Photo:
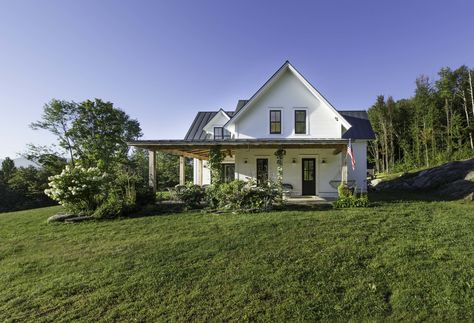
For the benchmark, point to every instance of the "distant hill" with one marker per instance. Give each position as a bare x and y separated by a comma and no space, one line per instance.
23,162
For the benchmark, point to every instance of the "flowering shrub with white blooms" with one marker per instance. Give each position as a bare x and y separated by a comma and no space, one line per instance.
80,190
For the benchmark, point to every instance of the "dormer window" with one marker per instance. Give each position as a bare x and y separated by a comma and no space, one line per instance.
300,121
275,121
218,133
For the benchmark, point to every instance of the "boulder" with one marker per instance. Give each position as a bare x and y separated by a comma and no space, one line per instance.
453,180
78,219
59,217
470,176
375,182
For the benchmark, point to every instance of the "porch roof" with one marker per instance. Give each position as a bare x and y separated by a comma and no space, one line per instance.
200,149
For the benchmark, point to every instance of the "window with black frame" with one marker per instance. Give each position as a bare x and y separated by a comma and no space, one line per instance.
300,121
228,171
275,121
218,133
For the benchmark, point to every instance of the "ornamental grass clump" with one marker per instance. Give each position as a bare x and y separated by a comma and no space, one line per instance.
80,190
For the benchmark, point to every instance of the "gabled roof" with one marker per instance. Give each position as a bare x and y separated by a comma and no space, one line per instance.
196,131
361,127
241,107
213,119
359,120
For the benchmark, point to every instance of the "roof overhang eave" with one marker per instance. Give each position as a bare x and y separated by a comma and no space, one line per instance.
200,149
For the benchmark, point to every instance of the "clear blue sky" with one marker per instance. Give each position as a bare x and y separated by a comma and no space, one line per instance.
161,62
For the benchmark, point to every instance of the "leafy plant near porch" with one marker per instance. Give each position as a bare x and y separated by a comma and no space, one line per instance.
243,196
191,195
349,199
215,159
279,154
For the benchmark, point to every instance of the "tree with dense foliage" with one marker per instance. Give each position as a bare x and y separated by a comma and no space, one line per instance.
94,132
8,169
432,127
57,118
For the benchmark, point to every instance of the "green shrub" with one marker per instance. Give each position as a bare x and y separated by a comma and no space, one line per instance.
81,191
145,196
191,195
242,195
112,206
348,199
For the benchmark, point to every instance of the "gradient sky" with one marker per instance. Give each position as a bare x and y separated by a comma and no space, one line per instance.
161,62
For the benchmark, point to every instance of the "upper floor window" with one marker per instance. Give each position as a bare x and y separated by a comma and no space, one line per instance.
218,133
275,121
300,121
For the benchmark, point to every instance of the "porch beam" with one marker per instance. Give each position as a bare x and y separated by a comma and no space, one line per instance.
184,153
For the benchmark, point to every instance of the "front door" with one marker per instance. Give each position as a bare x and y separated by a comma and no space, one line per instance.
309,176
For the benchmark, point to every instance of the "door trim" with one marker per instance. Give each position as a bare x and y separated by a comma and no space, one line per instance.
316,158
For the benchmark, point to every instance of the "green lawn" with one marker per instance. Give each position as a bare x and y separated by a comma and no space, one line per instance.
397,261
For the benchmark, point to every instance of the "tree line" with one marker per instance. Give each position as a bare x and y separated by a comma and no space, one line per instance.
433,126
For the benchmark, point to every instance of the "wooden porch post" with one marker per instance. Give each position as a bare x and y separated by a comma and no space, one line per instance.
152,169
199,172
181,170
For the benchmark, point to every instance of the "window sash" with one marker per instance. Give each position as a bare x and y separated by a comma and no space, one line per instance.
218,133
275,121
300,121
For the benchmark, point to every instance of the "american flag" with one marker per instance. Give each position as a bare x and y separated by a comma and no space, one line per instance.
350,152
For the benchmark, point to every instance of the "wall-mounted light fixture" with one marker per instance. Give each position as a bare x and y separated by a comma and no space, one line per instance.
293,160
245,160
323,161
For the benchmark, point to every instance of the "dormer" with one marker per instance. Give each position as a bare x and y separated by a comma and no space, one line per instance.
215,127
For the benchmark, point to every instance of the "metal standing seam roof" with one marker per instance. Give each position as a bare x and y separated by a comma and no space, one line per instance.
359,120
196,131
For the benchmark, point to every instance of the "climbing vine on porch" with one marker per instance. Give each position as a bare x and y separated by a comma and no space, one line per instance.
279,154
215,159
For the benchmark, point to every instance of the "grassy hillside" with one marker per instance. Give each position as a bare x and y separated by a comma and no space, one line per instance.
402,261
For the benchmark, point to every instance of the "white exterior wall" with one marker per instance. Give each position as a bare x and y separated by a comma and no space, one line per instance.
328,167
292,172
287,94
360,172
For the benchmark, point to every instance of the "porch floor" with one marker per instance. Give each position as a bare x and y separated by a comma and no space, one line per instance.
308,200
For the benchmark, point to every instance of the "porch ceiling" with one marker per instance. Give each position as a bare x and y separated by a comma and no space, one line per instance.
200,149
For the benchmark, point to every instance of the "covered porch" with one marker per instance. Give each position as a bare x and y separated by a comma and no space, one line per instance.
255,159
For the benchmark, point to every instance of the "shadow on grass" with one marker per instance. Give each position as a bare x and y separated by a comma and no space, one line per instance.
303,207
397,196
163,209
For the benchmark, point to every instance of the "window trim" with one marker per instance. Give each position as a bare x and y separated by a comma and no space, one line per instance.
271,122
300,122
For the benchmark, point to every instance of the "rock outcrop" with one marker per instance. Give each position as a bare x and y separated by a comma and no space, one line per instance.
453,180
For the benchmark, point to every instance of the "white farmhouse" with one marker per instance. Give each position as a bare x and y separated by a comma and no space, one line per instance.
287,113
